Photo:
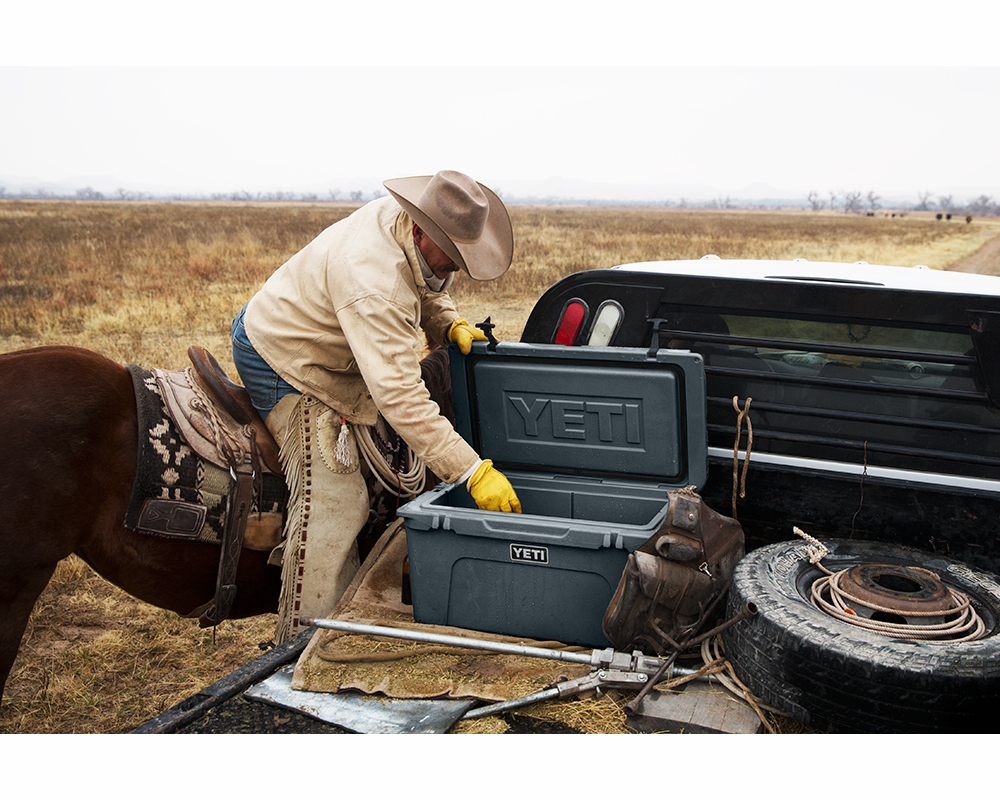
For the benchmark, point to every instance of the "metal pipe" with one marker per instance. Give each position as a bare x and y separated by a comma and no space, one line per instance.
596,658
507,705
749,610
455,641
636,661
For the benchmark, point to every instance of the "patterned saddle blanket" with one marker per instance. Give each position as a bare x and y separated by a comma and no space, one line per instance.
180,493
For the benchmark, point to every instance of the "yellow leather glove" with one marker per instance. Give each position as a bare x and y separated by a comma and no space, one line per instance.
463,334
491,490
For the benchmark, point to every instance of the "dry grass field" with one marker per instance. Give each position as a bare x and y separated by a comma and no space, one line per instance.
140,282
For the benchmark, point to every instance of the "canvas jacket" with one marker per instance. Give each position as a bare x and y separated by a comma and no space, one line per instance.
341,321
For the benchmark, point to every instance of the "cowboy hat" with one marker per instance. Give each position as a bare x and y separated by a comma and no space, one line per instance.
462,217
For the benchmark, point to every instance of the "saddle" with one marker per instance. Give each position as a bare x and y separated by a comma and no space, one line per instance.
218,421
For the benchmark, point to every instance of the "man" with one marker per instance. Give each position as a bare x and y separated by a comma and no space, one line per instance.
332,339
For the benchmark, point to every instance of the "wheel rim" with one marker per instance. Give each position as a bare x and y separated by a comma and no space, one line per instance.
911,593
899,601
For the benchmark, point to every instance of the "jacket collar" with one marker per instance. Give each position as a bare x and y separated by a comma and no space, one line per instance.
403,233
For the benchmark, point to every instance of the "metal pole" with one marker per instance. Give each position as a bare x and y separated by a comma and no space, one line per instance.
507,705
637,663
455,641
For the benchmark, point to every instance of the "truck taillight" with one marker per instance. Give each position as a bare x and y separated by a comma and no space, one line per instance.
574,314
609,317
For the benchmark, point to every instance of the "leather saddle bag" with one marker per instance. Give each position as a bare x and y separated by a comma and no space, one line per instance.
672,579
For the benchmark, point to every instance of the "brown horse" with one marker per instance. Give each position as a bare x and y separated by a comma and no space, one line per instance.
68,445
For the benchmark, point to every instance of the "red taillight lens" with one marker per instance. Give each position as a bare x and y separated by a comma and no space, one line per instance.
570,322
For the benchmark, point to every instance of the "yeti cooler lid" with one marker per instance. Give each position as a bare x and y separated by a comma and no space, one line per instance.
600,411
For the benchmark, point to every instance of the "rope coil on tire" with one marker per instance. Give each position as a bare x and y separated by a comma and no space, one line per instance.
830,597
959,621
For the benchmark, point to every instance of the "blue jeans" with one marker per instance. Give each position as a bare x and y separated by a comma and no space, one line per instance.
265,386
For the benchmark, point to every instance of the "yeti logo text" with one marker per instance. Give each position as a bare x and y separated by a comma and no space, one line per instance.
531,555
572,419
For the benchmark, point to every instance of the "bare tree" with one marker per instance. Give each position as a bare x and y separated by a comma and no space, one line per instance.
852,202
873,201
814,202
925,201
377,193
334,194
833,200
356,196
982,205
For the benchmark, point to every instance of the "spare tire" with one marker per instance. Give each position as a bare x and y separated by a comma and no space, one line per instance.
833,676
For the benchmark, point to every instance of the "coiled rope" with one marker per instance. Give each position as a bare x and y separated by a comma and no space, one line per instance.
830,597
407,482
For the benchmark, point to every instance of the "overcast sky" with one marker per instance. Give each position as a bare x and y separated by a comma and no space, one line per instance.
660,104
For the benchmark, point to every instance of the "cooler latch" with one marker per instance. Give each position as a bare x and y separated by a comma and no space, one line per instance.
487,327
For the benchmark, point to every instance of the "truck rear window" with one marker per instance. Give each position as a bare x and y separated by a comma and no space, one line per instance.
903,397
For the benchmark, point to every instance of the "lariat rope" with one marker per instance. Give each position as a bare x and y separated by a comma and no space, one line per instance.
830,597
409,482
738,480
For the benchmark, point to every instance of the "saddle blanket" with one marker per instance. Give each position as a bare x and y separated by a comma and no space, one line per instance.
177,493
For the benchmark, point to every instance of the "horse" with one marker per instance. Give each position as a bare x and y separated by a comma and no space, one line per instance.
68,452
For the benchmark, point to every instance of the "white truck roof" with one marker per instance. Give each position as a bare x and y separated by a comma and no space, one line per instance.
916,278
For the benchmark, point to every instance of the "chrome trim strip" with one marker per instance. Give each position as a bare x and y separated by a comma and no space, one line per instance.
902,475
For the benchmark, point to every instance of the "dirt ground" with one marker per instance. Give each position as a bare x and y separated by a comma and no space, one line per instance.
985,261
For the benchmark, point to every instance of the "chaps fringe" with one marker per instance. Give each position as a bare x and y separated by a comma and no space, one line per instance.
294,461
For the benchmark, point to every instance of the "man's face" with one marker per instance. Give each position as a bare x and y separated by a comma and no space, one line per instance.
441,265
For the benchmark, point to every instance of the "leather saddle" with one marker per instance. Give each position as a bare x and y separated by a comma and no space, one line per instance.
235,401
218,421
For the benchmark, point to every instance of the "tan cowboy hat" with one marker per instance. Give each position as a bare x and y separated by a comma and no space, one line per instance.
462,217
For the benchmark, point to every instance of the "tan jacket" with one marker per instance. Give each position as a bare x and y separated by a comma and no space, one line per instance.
341,320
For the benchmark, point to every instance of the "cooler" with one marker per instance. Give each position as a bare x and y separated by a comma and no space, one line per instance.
591,439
